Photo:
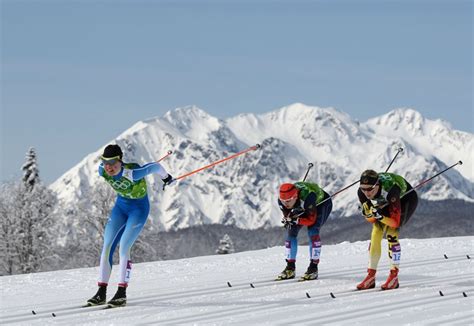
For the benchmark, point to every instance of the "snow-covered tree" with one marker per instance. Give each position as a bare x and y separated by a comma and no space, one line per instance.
30,170
94,213
226,246
27,222
8,233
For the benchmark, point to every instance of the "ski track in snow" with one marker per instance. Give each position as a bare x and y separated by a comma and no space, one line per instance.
196,291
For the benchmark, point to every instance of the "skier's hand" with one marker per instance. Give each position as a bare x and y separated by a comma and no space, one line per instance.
296,212
288,222
378,217
168,181
369,211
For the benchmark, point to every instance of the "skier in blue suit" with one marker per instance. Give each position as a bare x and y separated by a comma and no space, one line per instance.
127,219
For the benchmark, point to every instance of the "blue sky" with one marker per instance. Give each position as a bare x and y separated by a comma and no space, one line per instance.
75,74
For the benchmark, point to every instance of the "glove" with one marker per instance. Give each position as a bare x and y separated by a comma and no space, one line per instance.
289,222
168,181
370,211
296,212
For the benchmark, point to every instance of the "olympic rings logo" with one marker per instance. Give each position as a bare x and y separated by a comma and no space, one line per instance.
121,184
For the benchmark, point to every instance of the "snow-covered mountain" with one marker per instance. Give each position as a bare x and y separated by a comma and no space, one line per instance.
195,291
243,191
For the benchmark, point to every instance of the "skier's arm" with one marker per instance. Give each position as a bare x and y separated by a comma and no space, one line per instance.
149,168
366,206
101,169
310,212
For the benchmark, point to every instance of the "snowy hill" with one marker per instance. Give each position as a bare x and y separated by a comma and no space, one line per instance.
196,291
243,191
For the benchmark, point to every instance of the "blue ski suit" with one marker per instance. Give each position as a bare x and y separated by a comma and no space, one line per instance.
128,216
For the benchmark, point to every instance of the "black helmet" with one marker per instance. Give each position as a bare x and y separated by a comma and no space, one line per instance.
112,152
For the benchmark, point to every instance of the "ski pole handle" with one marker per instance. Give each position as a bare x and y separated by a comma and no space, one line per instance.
253,148
167,154
310,165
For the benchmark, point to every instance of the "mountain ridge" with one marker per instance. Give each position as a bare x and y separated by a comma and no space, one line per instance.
243,191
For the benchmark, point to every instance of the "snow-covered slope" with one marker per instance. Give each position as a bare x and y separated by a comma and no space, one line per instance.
196,291
243,191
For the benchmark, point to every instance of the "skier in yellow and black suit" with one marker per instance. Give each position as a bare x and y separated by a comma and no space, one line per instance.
384,205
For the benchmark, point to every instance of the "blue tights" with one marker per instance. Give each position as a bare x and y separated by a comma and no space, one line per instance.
126,221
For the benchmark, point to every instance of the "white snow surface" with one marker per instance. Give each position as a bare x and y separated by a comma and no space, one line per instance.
243,191
195,291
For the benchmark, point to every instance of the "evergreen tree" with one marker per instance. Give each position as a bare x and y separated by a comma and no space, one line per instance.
226,246
30,170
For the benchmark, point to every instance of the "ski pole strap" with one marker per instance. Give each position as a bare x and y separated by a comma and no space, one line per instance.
167,154
393,160
253,148
310,165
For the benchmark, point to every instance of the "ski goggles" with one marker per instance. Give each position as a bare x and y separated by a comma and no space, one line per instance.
288,200
368,189
110,160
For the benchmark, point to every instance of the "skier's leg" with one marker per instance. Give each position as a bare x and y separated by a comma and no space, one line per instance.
375,250
314,253
314,244
135,223
291,248
291,243
323,212
136,220
375,245
394,249
113,231
394,252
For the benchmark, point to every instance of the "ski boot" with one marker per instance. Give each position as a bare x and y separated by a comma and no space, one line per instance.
99,298
119,299
311,272
392,280
288,272
369,280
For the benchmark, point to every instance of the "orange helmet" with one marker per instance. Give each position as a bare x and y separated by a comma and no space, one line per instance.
288,191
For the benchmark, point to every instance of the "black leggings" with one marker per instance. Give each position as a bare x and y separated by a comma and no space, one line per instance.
408,203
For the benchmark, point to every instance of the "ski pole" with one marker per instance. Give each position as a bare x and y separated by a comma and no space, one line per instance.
253,148
398,152
310,165
429,179
423,182
345,188
167,154
338,192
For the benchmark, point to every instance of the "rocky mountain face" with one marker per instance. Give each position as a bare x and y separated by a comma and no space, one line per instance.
242,192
